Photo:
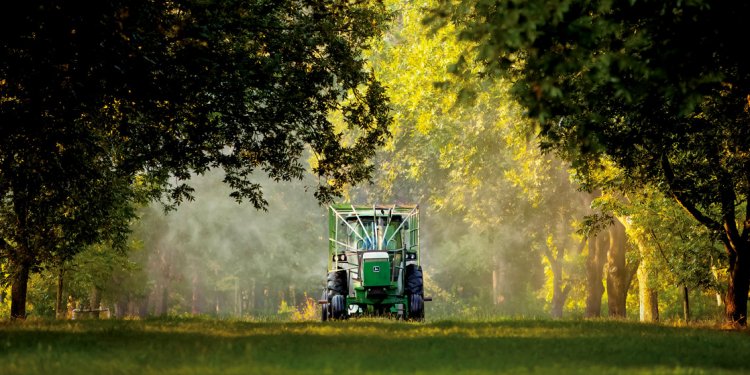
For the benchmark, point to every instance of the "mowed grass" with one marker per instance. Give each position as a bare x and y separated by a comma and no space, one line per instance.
201,346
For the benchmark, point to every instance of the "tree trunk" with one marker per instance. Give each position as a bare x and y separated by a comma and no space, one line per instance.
251,301
164,301
121,307
648,296
559,292
617,273
266,302
60,310
501,286
196,305
494,285
18,290
95,298
735,243
217,307
293,295
685,304
556,310
595,273
558,300
739,278
142,306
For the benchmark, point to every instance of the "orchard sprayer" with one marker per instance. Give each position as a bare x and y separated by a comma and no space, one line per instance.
373,263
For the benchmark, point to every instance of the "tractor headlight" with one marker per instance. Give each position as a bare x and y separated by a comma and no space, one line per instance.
411,256
339,257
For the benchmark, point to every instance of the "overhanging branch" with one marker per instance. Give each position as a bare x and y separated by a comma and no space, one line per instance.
678,195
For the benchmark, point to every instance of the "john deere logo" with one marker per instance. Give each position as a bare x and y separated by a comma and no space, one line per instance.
375,268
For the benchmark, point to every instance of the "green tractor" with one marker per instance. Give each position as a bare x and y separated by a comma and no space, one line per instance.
373,263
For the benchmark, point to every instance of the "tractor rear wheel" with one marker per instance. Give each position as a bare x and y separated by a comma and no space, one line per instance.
338,307
414,283
416,307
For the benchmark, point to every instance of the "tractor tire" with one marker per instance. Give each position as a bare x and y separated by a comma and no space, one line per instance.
416,307
324,308
414,283
337,283
338,307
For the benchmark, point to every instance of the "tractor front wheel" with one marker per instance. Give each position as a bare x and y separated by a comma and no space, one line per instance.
416,307
338,307
337,282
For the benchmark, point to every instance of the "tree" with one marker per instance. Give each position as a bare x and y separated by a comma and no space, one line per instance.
97,100
659,87
483,183
674,250
56,206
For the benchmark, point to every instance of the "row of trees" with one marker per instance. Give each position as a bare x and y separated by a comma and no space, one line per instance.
512,218
642,174
209,257
659,90
106,106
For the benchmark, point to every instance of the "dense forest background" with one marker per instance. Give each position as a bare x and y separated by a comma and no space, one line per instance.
565,164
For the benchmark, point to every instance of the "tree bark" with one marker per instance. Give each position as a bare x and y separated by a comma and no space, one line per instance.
739,278
595,274
685,303
217,307
617,273
18,290
142,306
252,303
121,307
60,309
494,285
559,292
555,253
648,297
196,298
95,298
164,301
558,300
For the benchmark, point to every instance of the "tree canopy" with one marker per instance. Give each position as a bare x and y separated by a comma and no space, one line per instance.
99,99
660,88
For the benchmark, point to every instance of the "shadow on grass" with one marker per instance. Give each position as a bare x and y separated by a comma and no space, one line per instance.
370,347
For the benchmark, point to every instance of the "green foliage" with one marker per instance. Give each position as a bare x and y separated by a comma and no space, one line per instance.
104,105
113,275
685,251
490,197
659,89
96,272
636,81
187,86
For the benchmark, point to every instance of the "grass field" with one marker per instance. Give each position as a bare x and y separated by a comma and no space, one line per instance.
202,346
